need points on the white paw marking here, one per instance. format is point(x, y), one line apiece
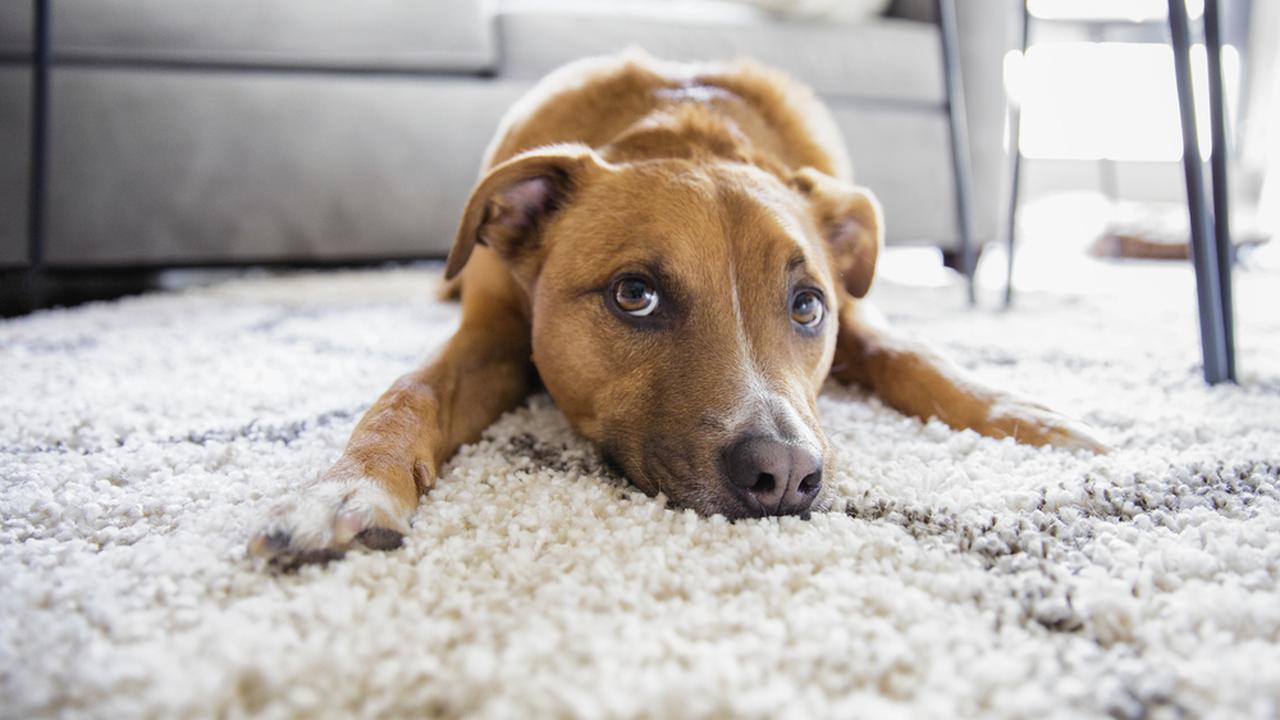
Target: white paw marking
point(1035, 423)
point(322, 520)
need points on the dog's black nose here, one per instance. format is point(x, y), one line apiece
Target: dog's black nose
point(784, 479)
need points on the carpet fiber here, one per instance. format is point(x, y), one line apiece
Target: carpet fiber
point(141, 442)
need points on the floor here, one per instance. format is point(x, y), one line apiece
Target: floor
point(142, 440)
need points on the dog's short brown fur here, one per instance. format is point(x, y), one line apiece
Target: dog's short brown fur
point(726, 191)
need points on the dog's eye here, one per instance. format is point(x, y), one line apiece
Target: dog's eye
point(807, 308)
point(635, 296)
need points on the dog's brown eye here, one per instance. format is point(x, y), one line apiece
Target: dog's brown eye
point(807, 308)
point(635, 296)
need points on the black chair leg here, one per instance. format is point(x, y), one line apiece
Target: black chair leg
point(1205, 256)
point(40, 61)
point(1218, 167)
point(959, 135)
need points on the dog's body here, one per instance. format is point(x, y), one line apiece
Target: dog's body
point(677, 254)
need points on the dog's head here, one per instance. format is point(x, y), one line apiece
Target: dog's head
point(684, 314)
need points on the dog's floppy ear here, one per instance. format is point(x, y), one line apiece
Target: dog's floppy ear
point(508, 207)
point(850, 218)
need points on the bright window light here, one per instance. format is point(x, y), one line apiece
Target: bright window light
point(1114, 101)
point(1132, 10)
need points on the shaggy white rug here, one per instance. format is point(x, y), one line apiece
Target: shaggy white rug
point(141, 441)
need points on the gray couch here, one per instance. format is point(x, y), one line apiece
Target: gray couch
point(228, 131)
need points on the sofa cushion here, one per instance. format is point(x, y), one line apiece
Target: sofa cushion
point(345, 34)
point(880, 58)
point(16, 27)
point(151, 167)
point(904, 157)
point(823, 9)
point(15, 136)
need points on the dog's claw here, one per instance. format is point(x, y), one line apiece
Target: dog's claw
point(289, 563)
point(379, 538)
point(268, 542)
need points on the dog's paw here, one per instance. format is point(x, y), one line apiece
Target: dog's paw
point(325, 519)
point(1034, 424)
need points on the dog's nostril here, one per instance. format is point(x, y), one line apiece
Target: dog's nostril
point(811, 482)
point(764, 483)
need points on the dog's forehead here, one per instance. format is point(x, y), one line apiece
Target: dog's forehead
point(768, 222)
point(769, 234)
point(697, 221)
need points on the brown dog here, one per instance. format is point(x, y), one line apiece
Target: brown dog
point(676, 252)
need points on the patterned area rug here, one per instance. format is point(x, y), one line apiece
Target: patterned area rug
point(141, 441)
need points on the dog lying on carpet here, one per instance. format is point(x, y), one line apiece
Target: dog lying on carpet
point(676, 253)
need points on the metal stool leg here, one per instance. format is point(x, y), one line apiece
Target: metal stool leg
point(1014, 127)
point(959, 128)
point(1218, 166)
point(1208, 293)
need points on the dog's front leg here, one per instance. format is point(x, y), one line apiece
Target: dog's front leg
point(917, 381)
point(396, 450)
